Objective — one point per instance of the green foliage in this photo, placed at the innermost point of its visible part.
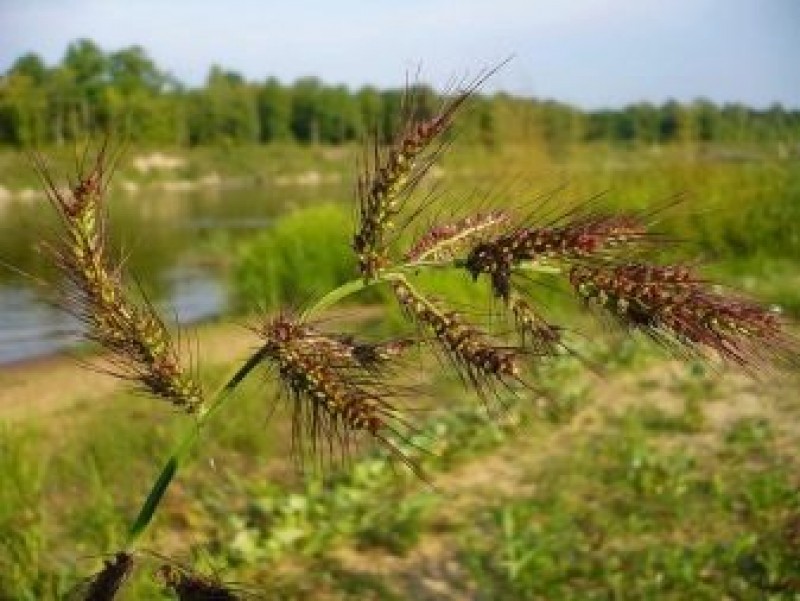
(303, 256)
(22, 543)
(359, 505)
(650, 523)
(626, 509)
(274, 111)
(92, 90)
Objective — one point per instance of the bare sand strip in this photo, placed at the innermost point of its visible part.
(40, 387)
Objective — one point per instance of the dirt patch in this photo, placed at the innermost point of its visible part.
(47, 386)
(42, 387)
(432, 571)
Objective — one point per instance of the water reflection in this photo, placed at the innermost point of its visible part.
(194, 294)
(174, 243)
(30, 327)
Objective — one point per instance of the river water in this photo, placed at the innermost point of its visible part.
(176, 245)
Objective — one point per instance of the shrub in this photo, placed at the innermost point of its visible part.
(303, 256)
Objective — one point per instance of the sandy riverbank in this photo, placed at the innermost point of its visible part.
(46, 386)
(49, 385)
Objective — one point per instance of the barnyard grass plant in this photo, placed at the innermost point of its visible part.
(342, 389)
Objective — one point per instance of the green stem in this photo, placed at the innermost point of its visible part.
(192, 433)
(349, 288)
(184, 447)
(334, 296)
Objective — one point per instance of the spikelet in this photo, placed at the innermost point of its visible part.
(589, 237)
(334, 386)
(191, 586)
(345, 350)
(671, 303)
(481, 362)
(446, 241)
(388, 175)
(105, 585)
(536, 333)
(141, 348)
(376, 356)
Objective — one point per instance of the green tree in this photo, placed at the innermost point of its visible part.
(706, 120)
(645, 122)
(339, 115)
(131, 70)
(22, 111)
(32, 66)
(23, 106)
(560, 126)
(225, 111)
(89, 67)
(305, 121)
(126, 91)
(274, 111)
(369, 102)
(736, 118)
(60, 95)
(133, 99)
(391, 112)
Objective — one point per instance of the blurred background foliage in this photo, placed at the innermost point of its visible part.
(91, 91)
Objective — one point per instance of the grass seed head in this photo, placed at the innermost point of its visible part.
(446, 241)
(590, 238)
(335, 383)
(346, 350)
(481, 361)
(536, 333)
(140, 345)
(672, 301)
(389, 174)
(105, 585)
(190, 586)
(373, 356)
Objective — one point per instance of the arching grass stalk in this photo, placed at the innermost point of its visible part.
(192, 433)
(184, 447)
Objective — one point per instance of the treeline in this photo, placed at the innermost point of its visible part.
(91, 91)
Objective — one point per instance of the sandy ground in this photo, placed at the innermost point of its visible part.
(47, 386)
(50, 385)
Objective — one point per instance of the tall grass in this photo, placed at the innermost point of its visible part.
(22, 520)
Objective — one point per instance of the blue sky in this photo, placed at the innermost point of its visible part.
(589, 52)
